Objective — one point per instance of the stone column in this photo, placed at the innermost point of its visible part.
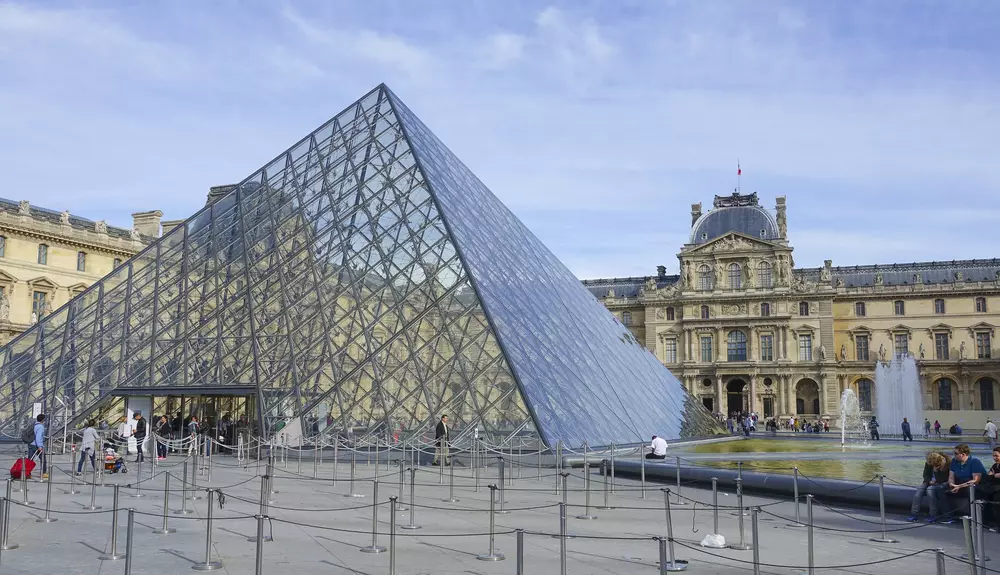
(824, 396)
(752, 340)
(720, 345)
(753, 395)
(784, 342)
(723, 408)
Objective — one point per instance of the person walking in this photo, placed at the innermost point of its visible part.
(163, 430)
(990, 432)
(37, 445)
(937, 428)
(927, 427)
(193, 435)
(906, 430)
(88, 446)
(140, 435)
(441, 438)
(873, 428)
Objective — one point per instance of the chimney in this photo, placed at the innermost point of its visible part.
(695, 212)
(661, 272)
(169, 225)
(148, 223)
(216, 193)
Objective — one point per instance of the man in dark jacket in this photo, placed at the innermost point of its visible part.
(906, 430)
(935, 478)
(441, 437)
(140, 435)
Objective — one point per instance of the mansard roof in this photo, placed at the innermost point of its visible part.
(735, 213)
(942, 272)
(77, 222)
(626, 287)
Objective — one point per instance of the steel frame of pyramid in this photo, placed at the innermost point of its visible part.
(364, 279)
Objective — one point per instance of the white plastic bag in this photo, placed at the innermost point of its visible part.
(714, 540)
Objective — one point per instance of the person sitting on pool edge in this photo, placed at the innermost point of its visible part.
(658, 449)
(964, 472)
(936, 471)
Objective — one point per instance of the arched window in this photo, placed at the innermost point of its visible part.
(859, 309)
(705, 278)
(899, 307)
(670, 314)
(704, 312)
(803, 308)
(764, 274)
(627, 318)
(981, 304)
(735, 276)
(944, 394)
(765, 309)
(986, 400)
(81, 261)
(939, 306)
(865, 387)
(737, 342)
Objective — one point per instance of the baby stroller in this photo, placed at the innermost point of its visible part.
(114, 463)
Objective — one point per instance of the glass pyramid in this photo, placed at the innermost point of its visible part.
(366, 280)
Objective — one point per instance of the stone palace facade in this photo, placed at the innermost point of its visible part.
(744, 329)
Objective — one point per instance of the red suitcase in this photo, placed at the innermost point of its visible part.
(15, 470)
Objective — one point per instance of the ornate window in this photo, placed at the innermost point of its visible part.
(941, 346)
(767, 347)
(803, 308)
(986, 400)
(38, 300)
(735, 276)
(706, 348)
(765, 309)
(704, 312)
(944, 386)
(865, 387)
(861, 347)
(43, 254)
(764, 274)
(899, 307)
(939, 306)
(670, 351)
(805, 347)
(670, 314)
(737, 344)
(3, 246)
(984, 347)
(902, 343)
(626, 318)
(859, 309)
(81, 261)
(705, 278)
(981, 305)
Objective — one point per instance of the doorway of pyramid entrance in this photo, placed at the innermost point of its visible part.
(736, 396)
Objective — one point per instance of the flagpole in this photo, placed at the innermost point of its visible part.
(739, 173)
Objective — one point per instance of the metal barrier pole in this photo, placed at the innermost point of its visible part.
(23, 478)
(612, 468)
(674, 564)
(443, 462)
(193, 492)
(562, 537)
(374, 547)
(24, 482)
(970, 552)
(493, 555)
(184, 493)
(208, 479)
(809, 535)
(259, 555)
(642, 474)
(478, 451)
(298, 466)
(451, 486)
(5, 544)
(165, 530)
(795, 493)
(336, 459)
(501, 474)
(604, 472)
(558, 464)
(586, 490)
(742, 545)
(208, 564)
(939, 561)
(742, 512)
(114, 555)
(413, 501)
(392, 535)
(881, 511)
(519, 557)
(48, 498)
(130, 527)
(980, 540)
(354, 465)
(755, 538)
(262, 510)
(315, 462)
(677, 474)
(138, 480)
(93, 491)
(538, 464)
(715, 505)
(402, 472)
(72, 476)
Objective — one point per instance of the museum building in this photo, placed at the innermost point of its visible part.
(745, 330)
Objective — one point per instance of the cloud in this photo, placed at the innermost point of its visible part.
(502, 49)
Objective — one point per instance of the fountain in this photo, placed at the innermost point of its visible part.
(853, 430)
(897, 394)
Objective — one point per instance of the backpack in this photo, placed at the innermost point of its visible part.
(28, 435)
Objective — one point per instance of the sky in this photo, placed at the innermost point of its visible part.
(598, 123)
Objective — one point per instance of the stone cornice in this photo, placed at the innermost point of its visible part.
(61, 234)
(916, 290)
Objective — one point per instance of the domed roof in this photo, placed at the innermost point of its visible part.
(735, 213)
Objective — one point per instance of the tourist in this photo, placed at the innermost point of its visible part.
(935, 478)
(37, 445)
(163, 430)
(990, 433)
(441, 439)
(88, 446)
(123, 432)
(991, 493)
(906, 430)
(176, 430)
(873, 428)
(826, 426)
(658, 448)
(192, 427)
(937, 428)
(964, 472)
(140, 435)
(927, 427)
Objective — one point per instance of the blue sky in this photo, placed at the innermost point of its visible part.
(597, 123)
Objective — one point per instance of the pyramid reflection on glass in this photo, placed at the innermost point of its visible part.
(365, 279)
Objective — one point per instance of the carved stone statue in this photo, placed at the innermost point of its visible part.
(64, 218)
(101, 227)
(47, 308)
(881, 352)
(24, 208)
(782, 224)
(34, 318)
(720, 273)
(4, 307)
(959, 276)
(921, 351)
(611, 292)
(961, 351)
(690, 275)
(878, 279)
(918, 278)
(751, 274)
(840, 282)
(134, 234)
(786, 270)
(825, 275)
(822, 352)
(843, 353)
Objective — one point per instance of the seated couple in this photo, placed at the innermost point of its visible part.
(658, 449)
(946, 486)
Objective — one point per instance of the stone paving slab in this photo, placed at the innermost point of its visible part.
(317, 529)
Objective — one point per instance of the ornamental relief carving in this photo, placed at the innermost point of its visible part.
(733, 244)
(734, 309)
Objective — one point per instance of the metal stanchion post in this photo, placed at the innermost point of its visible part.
(755, 538)
(519, 557)
(562, 537)
(298, 466)
(538, 463)
(374, 547)
(612, 468)
(130, 527)
(739, 495)
(24, 476)
(5, 544)
(558, 464)
(72, 476)
(809, 535)
(604, 473)
(715, 505)
(392, 535)
(493, 555)
(642, 475)
(336, 459)
(939, 561)
(259, 555)
(114, 555)
(980, 538)
(193, 492)
(742, 545)
(586, 490)
(451, 486)
(674, 564)
(48, 499)
(165, 530)
(677, 475)
(477, 447)
(881, 510)
(795, 494)
(413, 501)
(501, 474)
(184, 492)
(93, 492)
(138, 480)
(24, 483)
(208, 564)
(262, 511)
(315, 462)
(970, 552)
(402, 472)
(354, 465)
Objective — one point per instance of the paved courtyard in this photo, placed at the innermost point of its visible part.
(316, 529)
